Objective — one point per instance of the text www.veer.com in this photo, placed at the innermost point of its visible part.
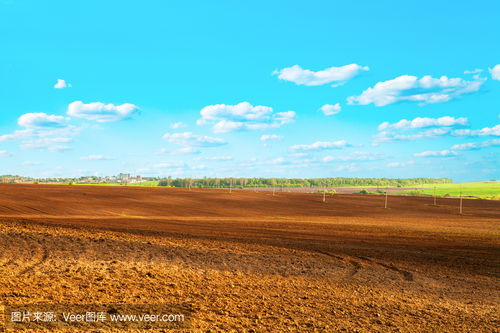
(147, 317)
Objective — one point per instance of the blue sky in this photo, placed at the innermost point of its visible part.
(264, 89)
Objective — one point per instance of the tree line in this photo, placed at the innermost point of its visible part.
(238, 182)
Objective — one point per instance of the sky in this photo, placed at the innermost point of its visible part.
(353, 88)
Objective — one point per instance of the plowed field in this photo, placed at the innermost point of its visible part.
(251, 261)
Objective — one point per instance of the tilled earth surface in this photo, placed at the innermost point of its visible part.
(251, 261)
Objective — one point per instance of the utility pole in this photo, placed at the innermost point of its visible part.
(461, 201)
(385, 198)
(435, 196)
(230, 186)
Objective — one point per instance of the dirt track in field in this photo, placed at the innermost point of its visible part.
(253, 261)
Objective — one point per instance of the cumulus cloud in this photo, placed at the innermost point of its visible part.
(243, 116)
(355, 156)
(49, 144)
(331, 109)
(180, 151)
(387, 136)
(30, 163)
(439, 153)
(185, 151)
(216, 158)
(177, 125)
(322, 145)
(306, 77)
(351, 167)
(61, 84)
(41, 120)
(4, 153)
(96, 158)
(168, 165)
(269, 137)
(278, 161)
(426, 90)
(474, 71)
(400, 164)
(476, 145)
(101, 112)
(495, 72)
(389, 132)
(189, 139)
(39, 133)
(18, 134)
(298, 155)
(487, 131)
(42, 131)
(240, 112)
(420, 122)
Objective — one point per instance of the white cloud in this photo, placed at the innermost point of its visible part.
(225, 126)
(169, 165)
(189, 139)
(322, 145)
(285, 117)
(228, 118)
(41, 120)
(444, 127)
(268, 137)
(426, 90)
(217, 158)
(423, 122)
(351, 167)
(101, 112)
(487, 131)
(476, 145)
(495, 72)
(30, 163)
(49, 144)
(474, 71)
(331, 109)
(177, 125)
(43, 132)
(298, 155)
(36, 133)
(400, 164)
(61, 84)
(18, 134)
(386, 136)
(355, 156)
(185, 151)
(180, 151)
(306, 77)
(278, 160)
(95, 158)
(240, 112)
(441, 153)
(4, 153)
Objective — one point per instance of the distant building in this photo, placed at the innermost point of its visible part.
(124, 178)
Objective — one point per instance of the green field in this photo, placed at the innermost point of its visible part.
(146, 183)
(484, 190)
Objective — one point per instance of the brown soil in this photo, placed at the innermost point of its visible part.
(253, 261)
